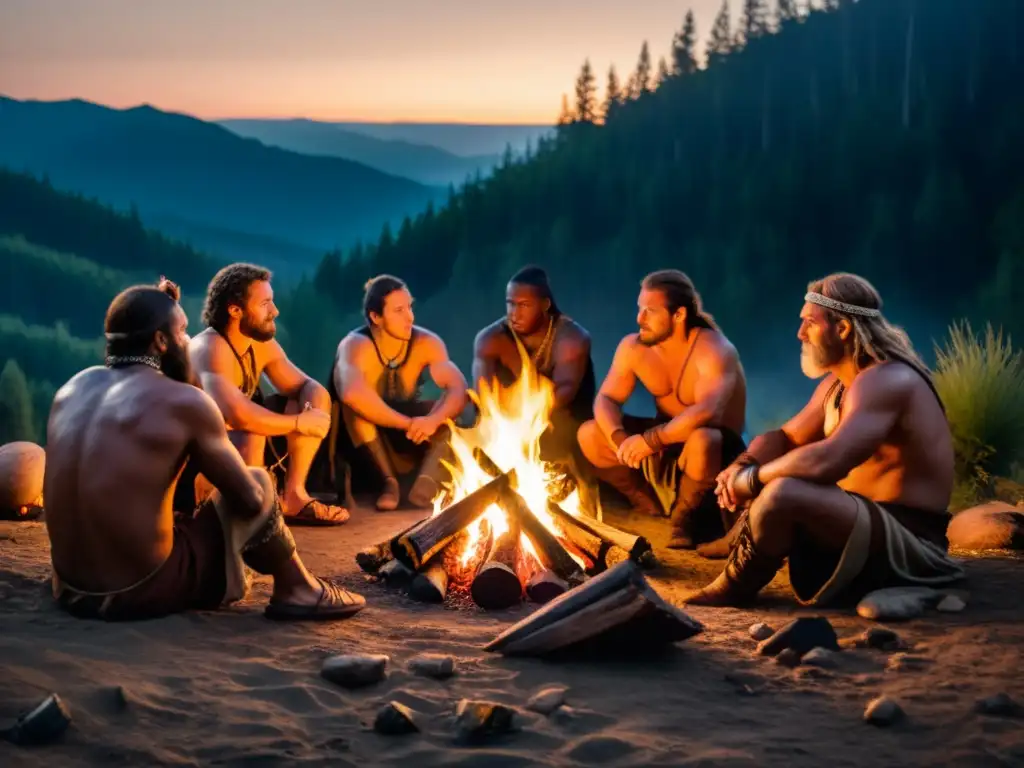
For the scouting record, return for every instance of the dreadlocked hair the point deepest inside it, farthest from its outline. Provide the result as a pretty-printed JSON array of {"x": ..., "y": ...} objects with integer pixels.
[{"x": 875, "y": 339}]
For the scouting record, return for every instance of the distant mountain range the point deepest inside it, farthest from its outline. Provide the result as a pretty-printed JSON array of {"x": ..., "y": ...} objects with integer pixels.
[
  {"x": 421, "y": 162},
  {"x": 203, "y": 183}
]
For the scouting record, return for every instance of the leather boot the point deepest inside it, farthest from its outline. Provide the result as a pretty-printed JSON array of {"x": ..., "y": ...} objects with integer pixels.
[
  {"x": 688, "y": 500},
  {"x": 428, "y": 482},
  {"x": 631, "y": 484},
  {"x": 388, "y": 499},
  {"x": 719, "y": 549},
  {"x": 746, "y": 573}
]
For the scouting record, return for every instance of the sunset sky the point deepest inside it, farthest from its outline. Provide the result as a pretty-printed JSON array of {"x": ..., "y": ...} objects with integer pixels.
[{"x": 376, "y": 60}]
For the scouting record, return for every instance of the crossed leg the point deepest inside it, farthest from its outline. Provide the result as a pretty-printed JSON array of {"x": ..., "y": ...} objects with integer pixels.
[{"x": 824, "y": 514}]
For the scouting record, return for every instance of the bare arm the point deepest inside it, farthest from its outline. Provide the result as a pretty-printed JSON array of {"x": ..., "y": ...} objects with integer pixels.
[
  {"x": 218, "y": 459},
  {"x": 873, "y": 405},
  {"x": 448, "y": 378},
  {"x": 717, "y": 376},
  {"x": 284, "y": 374},
  {"x": 485, "y": 356},
  {"x": 570, "y": 363},
  {"x": 615, "y": 390},
  {"x": 805, "y": 427},
  {"x": 213, "y": 362},
  {"x": 354, "y": 390}
]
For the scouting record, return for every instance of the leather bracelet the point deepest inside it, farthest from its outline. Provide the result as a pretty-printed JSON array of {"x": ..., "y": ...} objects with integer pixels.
[
  {"x": 751, "y": 480},
  {"x": 653, "y": 439}
]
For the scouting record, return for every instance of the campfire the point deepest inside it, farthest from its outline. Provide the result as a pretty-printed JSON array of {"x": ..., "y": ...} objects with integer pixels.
[{"x": 508, "y": 526}]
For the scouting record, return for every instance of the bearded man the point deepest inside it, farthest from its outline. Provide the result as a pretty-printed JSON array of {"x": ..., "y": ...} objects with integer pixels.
[
  {"x": 231, "y": 355},
  {"x": 117, "y": 441},
  {"x": 854, "y": 489},
  {"x": 558, "y": 349},
  {"x": 389, "y": 427},
  {"x": 699, "y": 388}
]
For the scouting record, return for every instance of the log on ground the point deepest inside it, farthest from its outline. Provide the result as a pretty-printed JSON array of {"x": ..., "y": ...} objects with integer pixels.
[
  {"x": 419, "y": 544},
  {"x": 544, "y": 586},
  {"x": 636, "y": 547},
  {"x": 373, "y": 558},
  {"x": 497, "y": 583},
  {"x": 619, "y": 607},
  {"x": 550, "y": 552}
]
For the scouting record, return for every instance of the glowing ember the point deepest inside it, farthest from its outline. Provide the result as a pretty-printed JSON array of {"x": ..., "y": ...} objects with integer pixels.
[{"x": 511, "y": 423}]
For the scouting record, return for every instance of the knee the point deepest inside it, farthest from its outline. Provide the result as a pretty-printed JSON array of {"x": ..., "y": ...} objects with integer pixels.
[
  {"x": 777, "y": 498},
  {"x": 703, "y": 448},
  {"x": 589, "y": 437},
  {"x": 314, "y": 393}
]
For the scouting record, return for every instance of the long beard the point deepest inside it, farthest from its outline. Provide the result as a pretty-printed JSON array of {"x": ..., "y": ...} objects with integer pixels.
[
  {"x": 259, "y": 333},
  {"x": 175, "y": 364},
  {"x": 815, "y": 362}
]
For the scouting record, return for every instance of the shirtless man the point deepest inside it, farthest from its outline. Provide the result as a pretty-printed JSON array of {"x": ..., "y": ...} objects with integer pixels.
[
  {"x": 117, "y": 440},
  {"x": 853, "y": 489},
  {"x": 231, "y": 355},
  {"x": 699, "y": 389},
  {"x": 559, "y": 349},
  {"x": 378, "y": 371}
]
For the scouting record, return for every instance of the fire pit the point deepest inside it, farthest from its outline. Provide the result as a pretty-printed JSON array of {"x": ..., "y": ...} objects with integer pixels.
[{"x": 508, "y": 525}]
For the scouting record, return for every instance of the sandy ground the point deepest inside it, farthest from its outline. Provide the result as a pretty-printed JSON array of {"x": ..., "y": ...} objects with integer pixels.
[{"x": 232, "y": 689}]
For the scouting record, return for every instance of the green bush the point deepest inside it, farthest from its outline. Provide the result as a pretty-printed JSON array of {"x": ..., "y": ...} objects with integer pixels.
[{"x": 981, "y": 382}]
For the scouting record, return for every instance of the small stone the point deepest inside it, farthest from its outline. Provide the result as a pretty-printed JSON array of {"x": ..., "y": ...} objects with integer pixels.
[
  {"x": 432, "y": 665},
  {"x": 788, "y": 657},
  {"x": 760, "y": 631},
  {"x": 353, "y": 671},
  {"x": 1000, "y": 704},
  {"x": 882, "y": 711},
  {"x": 547, "y": 700},
  {"x": 801, "y": 635},
  {"x": 119, "y": 697},
  {"x": 812, "y": 673},
  {"x": 951, "y": 604},
  {"x": 880, "y": 638},
  {"x": 564, "y": 715},
  {"x": 394, "y": 719},
  {"x": 905, "y": 662},
  {"x": 819, "y": 657},
  {"x": 476, "y": 721},
  {"x": 43, "y": 724},
  {"x": 897, "y": 603}
]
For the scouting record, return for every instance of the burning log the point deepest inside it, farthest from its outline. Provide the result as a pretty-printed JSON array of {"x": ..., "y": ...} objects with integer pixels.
[
  {"x": 372, "y": 559},
  {"x": 550, "y": 552},
  {"x": 618, "y": 607},
  {"x": 498, "y": 583},
  {"x": 545, "y": 586},
  {"x": 428, "y": 537},
  {"x": 430, "y": 584},
  {"x": 616, "y": 545}
]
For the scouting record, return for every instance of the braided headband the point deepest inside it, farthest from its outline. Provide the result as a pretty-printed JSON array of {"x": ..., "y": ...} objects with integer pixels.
[{"x": 841, "y": 306}]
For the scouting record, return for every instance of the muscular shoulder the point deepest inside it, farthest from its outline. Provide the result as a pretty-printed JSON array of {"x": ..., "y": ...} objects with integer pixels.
[
  {"x": 354, "y": 346},
  {"x": 629, "y": 349},
  {"x": 891, "y": 382},
  {"x": 210, "y": 353},
  {"x": 490, "y": 339},
  {"x": 193, "y": 406},
  {"x": 715, "y": 349},
  {"x": 573, "y": 335},
  {"x": 430, "y": 347}
]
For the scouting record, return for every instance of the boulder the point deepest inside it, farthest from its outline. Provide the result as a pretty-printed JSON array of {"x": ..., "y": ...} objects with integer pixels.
[{"x": 994, "y": 525}]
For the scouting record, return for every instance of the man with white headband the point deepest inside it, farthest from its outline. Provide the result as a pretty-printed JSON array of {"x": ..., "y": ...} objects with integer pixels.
[{"x": 854, "y": 489}]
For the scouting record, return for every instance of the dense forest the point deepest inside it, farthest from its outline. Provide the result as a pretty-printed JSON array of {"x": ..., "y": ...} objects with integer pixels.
[{"x": 879, "y": 136}]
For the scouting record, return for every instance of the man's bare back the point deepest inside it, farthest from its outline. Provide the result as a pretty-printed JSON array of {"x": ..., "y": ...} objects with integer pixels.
[{"x": 117, "y": 441}]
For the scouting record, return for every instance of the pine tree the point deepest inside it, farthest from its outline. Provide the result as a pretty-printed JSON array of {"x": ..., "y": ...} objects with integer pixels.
[
  {"x": 566, "y": 116},
  {"x": 720, "y": 42},
  {"x": 754, "y": 21},
  {"x": 612, "y": 95},
  {"x": 586, "y": 95},
  {"x": 16, "y": 419},
  {"x": 684, "y": 61},
  {"x": 663, "y": 73},
  {"x": 641, "y": 81}
]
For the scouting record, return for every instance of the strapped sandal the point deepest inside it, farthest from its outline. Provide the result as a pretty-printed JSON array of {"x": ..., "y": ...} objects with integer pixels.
[
  {"x": 334, "y": 603},
  {"x": 316, "y": 513}
]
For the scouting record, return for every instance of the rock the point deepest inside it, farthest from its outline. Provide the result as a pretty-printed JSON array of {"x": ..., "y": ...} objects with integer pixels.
[
  {"x": 1000, "y": 704},
  {"x": 882, "y": 711},
  {"x": 801, "y": 635},
  {"x": 951, "y": 604},
  {"x": 394, "y": 719},
  {"x": 353, "y": 671},
  {"x": 994, "y": 525},
  {"x": 119, "y": 698},
  {"x": 788, "y": 657},
  {"x": 432, "y": 665},
  {"x": 819, "y": 657},
  {"x": 564, "y": 715},
  {"x": 812, "y": 673},
  {"x": 43, "y": 724},
  {"x": 904, "y": 662},
  {"x": 760, "y": 631},
  {"x": 880, "y": 639},
  {"x": 547, "y": 700},
  {"x": 897, "y": 603},
  {"x": 476, "y": 721}
]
